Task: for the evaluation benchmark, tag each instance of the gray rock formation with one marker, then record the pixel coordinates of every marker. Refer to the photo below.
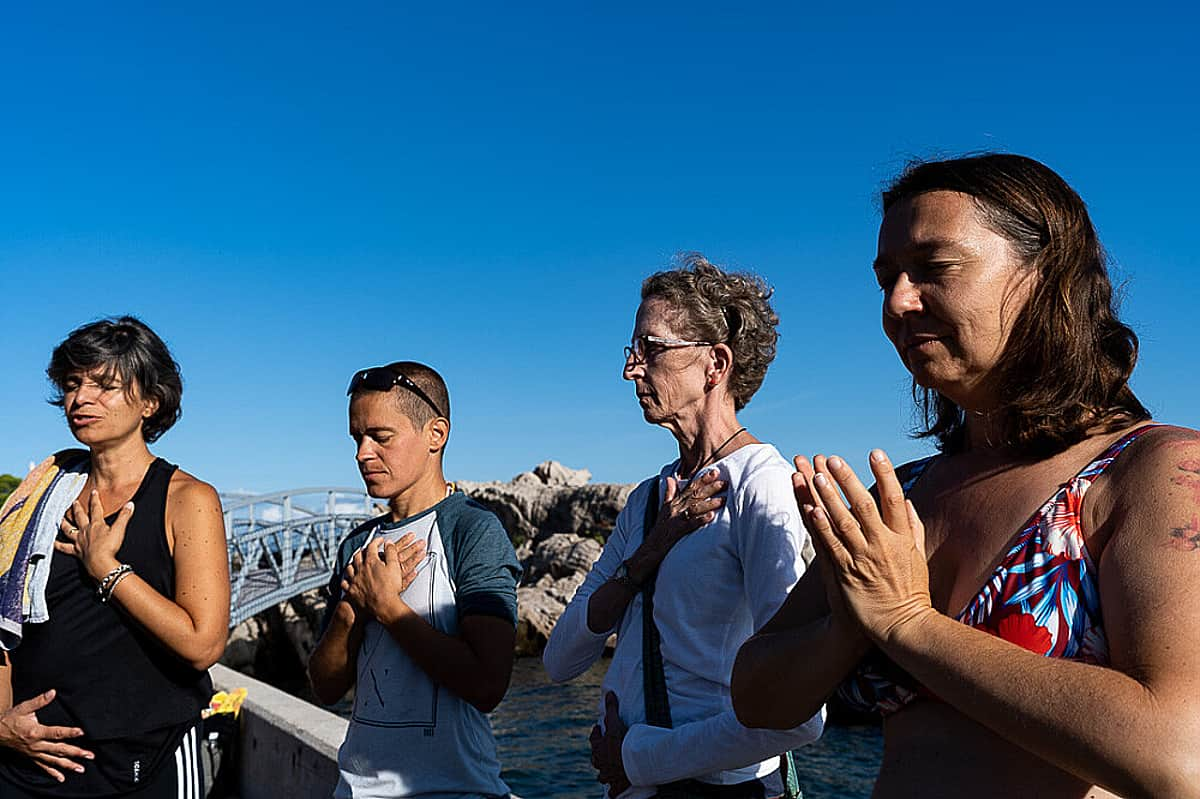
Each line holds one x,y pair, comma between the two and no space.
301,618
554,473
554,569
561,556
552,499
243,645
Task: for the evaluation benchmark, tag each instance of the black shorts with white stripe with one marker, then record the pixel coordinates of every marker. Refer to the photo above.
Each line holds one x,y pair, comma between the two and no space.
179,777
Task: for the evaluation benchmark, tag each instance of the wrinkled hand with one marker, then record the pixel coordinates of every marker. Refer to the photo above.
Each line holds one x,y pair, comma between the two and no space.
379,573
606,749
876,553
21,731
91,539
682,513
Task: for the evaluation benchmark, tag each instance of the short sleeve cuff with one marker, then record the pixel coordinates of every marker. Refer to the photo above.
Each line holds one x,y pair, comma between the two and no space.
484,604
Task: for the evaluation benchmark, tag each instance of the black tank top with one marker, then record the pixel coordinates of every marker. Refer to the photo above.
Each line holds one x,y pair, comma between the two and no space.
131,696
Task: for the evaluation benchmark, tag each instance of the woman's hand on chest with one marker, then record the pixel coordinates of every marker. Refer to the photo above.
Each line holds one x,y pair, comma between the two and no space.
86,535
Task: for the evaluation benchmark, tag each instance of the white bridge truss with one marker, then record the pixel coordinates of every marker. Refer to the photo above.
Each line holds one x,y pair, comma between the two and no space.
285,543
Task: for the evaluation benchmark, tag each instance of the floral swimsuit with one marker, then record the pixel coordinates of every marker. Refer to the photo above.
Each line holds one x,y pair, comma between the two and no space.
1043,596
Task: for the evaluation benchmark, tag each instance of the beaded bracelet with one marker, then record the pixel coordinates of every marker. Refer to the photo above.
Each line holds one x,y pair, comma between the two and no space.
116,581
108,577
104,589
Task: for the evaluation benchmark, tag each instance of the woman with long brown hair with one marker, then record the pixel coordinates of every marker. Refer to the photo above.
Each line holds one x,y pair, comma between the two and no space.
1018,606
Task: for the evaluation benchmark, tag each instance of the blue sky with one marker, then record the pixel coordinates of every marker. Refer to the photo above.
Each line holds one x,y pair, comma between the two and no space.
289,192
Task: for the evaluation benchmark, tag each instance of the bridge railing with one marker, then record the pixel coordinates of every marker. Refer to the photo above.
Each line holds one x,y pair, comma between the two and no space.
285,543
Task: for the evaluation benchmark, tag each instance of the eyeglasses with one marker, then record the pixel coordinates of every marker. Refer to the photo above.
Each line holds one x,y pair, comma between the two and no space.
380,378
641,346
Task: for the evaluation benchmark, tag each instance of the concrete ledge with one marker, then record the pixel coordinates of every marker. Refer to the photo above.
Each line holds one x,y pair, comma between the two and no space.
288,747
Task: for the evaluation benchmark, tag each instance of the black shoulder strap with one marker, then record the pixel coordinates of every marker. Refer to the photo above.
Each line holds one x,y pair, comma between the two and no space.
654,680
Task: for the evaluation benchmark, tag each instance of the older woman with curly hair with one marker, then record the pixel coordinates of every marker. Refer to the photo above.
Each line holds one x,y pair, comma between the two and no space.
702,555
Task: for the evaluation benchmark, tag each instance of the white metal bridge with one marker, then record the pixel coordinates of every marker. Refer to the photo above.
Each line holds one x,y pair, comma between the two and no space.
285,543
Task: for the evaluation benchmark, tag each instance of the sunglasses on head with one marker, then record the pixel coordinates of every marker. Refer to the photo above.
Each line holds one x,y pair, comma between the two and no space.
380,378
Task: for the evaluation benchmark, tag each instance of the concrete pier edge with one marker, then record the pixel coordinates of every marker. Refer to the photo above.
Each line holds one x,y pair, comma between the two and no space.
288,747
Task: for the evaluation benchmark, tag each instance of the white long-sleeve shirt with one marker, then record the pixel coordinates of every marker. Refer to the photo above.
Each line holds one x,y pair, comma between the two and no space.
715,588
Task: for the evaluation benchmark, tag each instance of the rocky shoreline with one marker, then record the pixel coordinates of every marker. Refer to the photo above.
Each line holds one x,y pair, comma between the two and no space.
558,521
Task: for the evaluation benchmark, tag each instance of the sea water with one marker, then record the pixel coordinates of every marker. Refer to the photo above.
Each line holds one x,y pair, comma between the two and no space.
542,733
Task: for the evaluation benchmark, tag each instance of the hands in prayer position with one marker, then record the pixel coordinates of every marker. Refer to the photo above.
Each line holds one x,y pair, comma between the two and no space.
874,553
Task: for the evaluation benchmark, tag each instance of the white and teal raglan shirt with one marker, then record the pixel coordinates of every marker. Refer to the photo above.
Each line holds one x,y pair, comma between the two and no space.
409,736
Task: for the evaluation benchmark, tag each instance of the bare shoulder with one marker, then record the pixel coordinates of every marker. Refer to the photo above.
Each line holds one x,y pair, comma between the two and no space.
190,490
1151,492
1162,460
193,506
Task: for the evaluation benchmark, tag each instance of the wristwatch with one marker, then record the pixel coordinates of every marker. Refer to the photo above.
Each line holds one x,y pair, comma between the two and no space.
624,578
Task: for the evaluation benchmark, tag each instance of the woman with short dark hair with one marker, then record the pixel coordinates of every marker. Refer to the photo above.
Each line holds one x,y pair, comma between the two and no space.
107,671
1017,606
701,556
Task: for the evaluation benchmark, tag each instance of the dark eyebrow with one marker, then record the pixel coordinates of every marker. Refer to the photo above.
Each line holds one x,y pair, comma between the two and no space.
371,430
107,379
920,249
379,429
